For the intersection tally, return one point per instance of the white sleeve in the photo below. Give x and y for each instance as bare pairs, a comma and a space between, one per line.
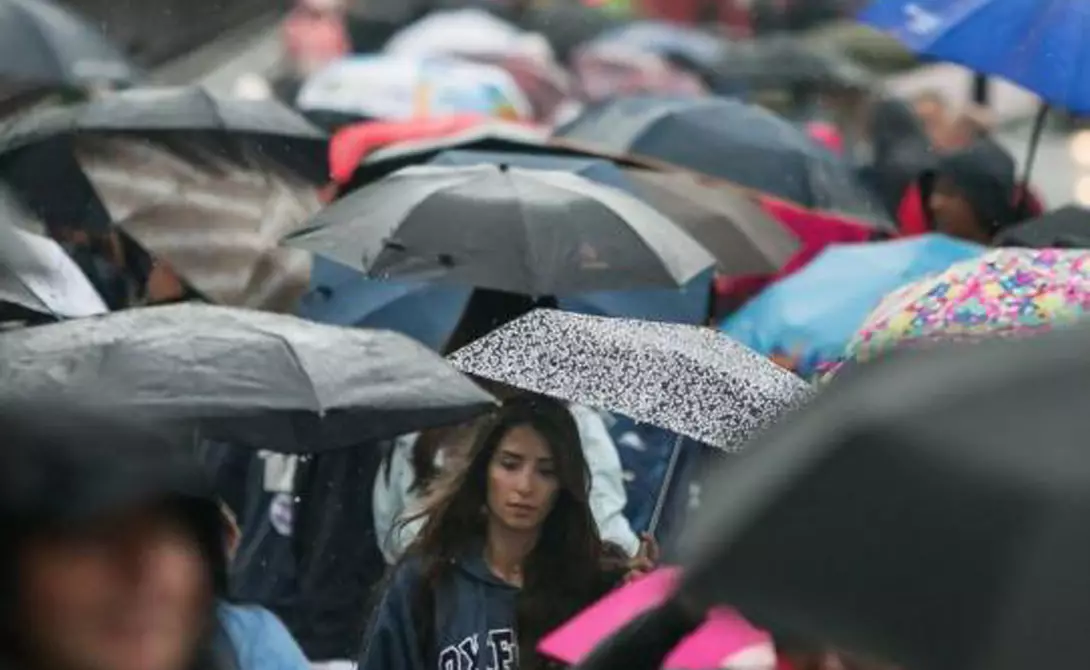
607, 492
391, 499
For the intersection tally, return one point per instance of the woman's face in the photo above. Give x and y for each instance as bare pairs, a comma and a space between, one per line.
522, 481
132, 592
954, 214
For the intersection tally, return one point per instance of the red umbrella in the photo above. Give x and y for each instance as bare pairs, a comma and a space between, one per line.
816, 229
353, 143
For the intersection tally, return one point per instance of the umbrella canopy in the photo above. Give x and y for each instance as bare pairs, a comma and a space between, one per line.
607, 71
1065, 227
690, 45
808, 318
693, 381
46, 43
1006, 292
263, 380
192, 112
741, 236
1049, 38
37, 277
456, 31
403, 87
780, 61
531, 232
730, 140
929, 509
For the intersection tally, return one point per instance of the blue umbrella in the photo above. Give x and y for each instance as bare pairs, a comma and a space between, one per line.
1038, 44
701, 49
810, 316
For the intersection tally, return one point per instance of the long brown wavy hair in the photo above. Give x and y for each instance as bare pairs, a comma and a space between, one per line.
570, 566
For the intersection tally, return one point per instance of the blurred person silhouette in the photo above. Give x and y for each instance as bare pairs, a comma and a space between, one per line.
972, 193
933, 111
113, 547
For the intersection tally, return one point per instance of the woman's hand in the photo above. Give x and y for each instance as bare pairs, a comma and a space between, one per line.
645, 560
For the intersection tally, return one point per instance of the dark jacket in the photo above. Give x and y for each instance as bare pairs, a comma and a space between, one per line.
474, 622
902, 151
986, 174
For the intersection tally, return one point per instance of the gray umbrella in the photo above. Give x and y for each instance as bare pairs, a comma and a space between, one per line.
531, 232
263, 380
44, 42
693, 381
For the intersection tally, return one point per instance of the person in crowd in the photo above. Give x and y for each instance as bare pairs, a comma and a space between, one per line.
113, 547
315, 34
972, 194
933, 111
509, 550
900, 151
260, 639
973, 123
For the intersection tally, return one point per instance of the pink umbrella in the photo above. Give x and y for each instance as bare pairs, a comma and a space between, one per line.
724, 635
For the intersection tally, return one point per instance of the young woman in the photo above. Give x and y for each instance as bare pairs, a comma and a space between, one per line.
509, 550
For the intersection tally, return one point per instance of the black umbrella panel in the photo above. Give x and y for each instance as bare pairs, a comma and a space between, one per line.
693, 381
530, 232
246, 377
920, 510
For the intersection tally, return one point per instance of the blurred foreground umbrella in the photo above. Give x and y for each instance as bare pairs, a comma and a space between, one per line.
37, 279
530, 232
782, 61
808, 318
46, 43
247, 377
728, 139
736, 230
929, 509
1067, 227
693, 381
1006, 292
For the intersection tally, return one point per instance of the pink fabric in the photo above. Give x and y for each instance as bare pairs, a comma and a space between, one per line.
827, 135
723, 635
815, 229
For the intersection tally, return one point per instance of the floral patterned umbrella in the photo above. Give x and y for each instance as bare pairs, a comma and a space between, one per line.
1006, 292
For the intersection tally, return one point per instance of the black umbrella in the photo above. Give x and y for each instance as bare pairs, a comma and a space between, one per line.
38, 279
46, 43
37, 151
263, 380
530, 232
496, 137
731, 140
1067, 227
782, 61
694, 381
929, 509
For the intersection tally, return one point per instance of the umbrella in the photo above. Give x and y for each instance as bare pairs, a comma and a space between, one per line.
693, 381
182, 115
531, 232
38, 278
809, 317
455, 31
1067, 227
730, 140
216, 223
741, 236
690, 45
566, 25
929, 509
1006, 292
47, 43
606, 71
779, 61
263, 380
403, 87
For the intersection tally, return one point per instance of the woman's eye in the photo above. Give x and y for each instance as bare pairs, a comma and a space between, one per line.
509, 464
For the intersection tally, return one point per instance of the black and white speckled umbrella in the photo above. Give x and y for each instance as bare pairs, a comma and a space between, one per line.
694, 381
247, 377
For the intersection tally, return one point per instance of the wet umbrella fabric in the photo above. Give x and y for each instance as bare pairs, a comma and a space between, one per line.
36, 276
531, 232
1037, 45
46, 43
691, 380
728, 139
741, 236
1067, 227
933, 529
245, 377
784, 61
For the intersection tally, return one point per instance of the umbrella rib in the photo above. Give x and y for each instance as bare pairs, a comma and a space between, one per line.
319, 407
40, 34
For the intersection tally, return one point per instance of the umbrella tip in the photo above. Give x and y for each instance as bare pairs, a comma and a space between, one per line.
504, 167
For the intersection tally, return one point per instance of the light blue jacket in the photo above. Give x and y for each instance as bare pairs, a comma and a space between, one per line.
261, 641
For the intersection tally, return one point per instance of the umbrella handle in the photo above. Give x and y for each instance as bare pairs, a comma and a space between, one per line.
664, 490
1034, 141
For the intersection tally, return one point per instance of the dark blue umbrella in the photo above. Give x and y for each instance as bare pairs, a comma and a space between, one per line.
731, 140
